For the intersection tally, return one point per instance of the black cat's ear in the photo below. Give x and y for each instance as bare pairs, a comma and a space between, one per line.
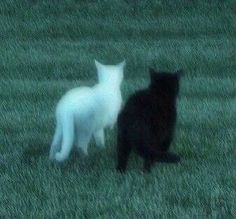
152, 74
179, 73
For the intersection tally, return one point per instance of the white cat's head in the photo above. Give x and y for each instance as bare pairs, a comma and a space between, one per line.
110, 74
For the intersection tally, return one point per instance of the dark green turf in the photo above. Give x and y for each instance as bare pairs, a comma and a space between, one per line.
48, 47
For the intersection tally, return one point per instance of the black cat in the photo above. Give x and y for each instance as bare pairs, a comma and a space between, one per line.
147, 122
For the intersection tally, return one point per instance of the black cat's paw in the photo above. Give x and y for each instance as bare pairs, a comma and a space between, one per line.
147, 165
173, 158
120, 169
147, 170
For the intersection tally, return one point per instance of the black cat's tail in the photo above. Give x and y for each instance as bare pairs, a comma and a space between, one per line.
167, 157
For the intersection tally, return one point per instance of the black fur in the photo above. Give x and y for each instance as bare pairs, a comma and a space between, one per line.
147, 122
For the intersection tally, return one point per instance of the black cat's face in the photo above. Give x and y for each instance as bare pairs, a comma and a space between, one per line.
165, 83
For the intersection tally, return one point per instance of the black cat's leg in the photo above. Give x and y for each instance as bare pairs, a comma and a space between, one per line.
123, 151
147, 165
123, 154
148, 142
164, 147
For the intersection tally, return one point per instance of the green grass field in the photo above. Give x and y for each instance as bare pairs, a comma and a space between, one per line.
49, 46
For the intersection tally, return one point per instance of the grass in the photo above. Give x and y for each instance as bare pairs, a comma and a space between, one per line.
48, 47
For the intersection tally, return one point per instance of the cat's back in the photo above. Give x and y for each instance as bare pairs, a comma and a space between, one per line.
82, 96
140, 102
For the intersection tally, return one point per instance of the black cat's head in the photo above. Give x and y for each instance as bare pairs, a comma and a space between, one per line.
165, 83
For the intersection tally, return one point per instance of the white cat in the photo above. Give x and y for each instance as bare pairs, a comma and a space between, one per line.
84, 111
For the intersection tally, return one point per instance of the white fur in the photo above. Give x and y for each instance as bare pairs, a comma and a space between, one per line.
84, 112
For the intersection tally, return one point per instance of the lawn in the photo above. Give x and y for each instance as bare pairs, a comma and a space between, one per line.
49, 46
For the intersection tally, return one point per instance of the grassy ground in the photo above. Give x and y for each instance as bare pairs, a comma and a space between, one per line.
48, 47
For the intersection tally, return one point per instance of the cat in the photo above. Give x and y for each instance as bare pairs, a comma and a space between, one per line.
146, 123
85, 111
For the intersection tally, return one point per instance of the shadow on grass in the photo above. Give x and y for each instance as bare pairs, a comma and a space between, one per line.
33, 152
39, 152
97, 160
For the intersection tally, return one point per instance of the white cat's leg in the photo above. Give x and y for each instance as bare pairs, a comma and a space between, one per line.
99, 138
67, 138
56, 143
83, 141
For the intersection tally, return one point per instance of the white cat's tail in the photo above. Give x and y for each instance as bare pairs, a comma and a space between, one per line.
68, 131
56, 142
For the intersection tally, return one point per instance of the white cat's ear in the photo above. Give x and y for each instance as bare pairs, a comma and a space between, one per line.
122, 64
98, 64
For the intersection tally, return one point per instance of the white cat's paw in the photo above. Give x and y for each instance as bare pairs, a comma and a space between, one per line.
111, 126
51, 156
101, 143
59, 157
85, 152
